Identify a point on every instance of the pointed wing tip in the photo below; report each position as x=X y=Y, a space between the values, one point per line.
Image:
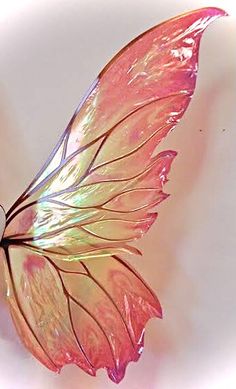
x=116 y=375
x=159 y=315
x=208 y=11
x=215 y=11
x=206 y=14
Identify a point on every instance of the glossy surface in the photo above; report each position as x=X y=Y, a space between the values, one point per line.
x=103 y=171
x=91 y=313
x=117 y=179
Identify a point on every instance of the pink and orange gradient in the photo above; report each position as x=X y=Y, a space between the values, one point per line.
x=72 y=299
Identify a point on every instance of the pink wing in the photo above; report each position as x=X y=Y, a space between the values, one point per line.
x=94 y=195
x=91 y=312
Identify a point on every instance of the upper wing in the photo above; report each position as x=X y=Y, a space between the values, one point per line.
x=95 y=193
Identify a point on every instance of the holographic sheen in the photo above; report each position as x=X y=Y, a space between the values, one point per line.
x=72 y=298
x=91 y=313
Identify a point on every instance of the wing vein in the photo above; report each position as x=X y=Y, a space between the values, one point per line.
x=110 y=298
x=22 y=312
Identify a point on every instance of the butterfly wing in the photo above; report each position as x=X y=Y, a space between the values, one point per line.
x=91 y=313
x=96 y=194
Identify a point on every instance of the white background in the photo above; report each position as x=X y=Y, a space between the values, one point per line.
x=50 y=52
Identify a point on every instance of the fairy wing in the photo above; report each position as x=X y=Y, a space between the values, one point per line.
x=72 y=298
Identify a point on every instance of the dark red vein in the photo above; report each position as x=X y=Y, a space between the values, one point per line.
x=69 y=296
x=56 y=148
x=97 y=322
x=136 y=149
x=25 y=195
x=69 y=311
x=58 y=268
x=88 y=274
x=106 y=134
x=80 y=226
x=154 y=161
x=76 y=336
x=110 y=298
x=125 y=264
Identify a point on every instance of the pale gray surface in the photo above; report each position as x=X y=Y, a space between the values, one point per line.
x=2 y=221
x=50 y=52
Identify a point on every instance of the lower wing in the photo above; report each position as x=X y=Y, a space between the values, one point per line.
x=93 y=316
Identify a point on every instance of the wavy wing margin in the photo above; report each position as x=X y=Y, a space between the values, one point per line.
x=94 y=316
x=95 y=194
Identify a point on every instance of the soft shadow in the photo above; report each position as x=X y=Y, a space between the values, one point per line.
x=160 y=266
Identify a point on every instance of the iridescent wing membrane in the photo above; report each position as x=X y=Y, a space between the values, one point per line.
x=72 y=298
